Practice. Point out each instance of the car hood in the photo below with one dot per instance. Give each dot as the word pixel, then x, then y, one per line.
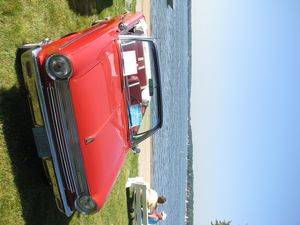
pixel 102 122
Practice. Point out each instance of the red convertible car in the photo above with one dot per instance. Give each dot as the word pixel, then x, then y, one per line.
pixel 94 95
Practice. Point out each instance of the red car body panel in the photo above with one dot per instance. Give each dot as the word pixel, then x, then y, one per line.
pixel 98 95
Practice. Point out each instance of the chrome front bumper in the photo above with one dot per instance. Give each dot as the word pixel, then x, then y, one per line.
pixel 52 109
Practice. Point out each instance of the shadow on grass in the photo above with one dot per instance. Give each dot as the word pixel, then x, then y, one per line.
pixel 38 205
pixel 89 7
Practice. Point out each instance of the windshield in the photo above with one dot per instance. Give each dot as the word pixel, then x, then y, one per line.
pixel 141 81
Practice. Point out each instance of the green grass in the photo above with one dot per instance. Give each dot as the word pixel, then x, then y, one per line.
pixel 25 198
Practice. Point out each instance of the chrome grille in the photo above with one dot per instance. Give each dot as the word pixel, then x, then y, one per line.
pixel 62 136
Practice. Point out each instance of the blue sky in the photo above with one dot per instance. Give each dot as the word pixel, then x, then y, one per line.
pixel 246 111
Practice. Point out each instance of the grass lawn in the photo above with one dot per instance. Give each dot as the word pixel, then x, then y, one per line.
pixel 25 198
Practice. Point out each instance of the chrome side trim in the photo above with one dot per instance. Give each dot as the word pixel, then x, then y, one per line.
pixel 136 37
pixel 39 86
pixel 82 35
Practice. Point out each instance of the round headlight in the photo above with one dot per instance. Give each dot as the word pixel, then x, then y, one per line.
pixel 58 67
pixel 85 204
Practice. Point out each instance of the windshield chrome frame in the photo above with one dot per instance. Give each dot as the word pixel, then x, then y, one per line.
pixel 146 134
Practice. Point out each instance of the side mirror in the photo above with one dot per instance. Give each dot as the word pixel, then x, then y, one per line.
pixel 122 26
pixel 136 150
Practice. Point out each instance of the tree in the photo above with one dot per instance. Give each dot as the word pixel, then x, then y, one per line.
pixel 219 222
